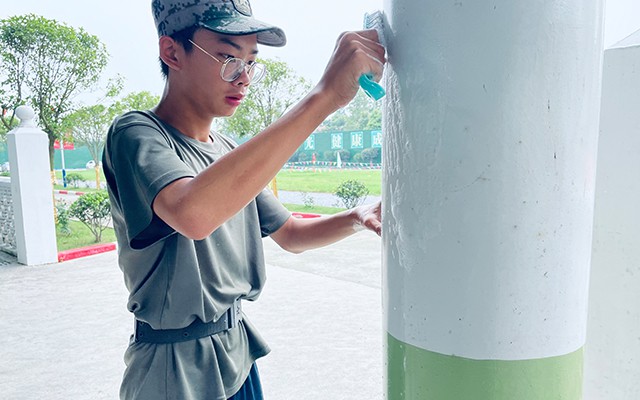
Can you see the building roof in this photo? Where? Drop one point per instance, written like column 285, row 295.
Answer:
column 629, row 41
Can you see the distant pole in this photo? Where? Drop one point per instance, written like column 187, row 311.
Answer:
column 64, row 172
column 491, row 127
column 97, row 170
column 274, row 187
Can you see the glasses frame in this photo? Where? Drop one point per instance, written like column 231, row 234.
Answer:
column 249, row 68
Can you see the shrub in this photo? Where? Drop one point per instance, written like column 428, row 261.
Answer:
column 352, row 193
column 93, row 210
column 303, row 157
column 345, row 155
column 74, row 179
column 62, row 218
column 330, row 155
column 357, row 158
column 370, row 154
column 308, row 200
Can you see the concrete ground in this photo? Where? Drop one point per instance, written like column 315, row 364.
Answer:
column 65, row 326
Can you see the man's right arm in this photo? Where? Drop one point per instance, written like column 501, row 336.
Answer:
column 197, row 206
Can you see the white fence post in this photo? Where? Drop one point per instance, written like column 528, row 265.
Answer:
column 32, row 192
column 612, row 353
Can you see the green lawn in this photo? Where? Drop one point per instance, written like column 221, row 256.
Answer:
column 301, row 181
column 81, row 236
column 313, row 209
column 327, row 181
column 88, row 175
column 289, row 180
column 85, row 174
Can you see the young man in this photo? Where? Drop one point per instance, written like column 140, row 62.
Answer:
column 190, row 209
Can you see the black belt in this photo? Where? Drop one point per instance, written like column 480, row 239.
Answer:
column 146, row 334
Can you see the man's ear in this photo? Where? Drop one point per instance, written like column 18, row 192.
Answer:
column 169, row 52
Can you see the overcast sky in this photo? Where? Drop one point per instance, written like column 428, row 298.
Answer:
column 126, row 27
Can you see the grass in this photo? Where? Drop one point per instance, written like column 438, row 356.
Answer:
column 81, row 236
column 327, row 181
column 312, row 209
column 299, row 181
column 87, row 175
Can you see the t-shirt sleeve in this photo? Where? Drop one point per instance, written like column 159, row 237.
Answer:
column 143, row 162
column 271, row 212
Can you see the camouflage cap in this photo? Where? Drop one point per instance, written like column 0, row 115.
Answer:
column 230, row 17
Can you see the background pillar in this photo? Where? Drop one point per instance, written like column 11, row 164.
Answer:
column 491, row 125
column 31, row 191
column 612, row 353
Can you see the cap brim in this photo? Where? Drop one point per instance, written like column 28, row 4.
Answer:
column 268, row 35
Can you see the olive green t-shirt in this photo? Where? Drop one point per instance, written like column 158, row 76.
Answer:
column 172, row 279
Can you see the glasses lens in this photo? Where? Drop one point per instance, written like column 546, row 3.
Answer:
column 233, row 67
column 258, row 71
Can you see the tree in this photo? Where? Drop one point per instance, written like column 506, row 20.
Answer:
column 267, row 100
column 361, row 114
column 7, row 121
column 90, row 124
column 93, row 209
column 46, row 64
column 134, row 101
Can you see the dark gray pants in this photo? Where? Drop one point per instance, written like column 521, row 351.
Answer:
column 251, row 389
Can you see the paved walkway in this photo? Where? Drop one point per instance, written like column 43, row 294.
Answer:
column 318, row 199
column 65, row 326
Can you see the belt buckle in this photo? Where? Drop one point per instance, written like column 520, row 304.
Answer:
column 135, row 329
column 235, row 313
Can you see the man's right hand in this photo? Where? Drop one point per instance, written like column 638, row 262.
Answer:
column 355, row 54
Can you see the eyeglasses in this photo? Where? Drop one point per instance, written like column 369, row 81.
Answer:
column 232, row 68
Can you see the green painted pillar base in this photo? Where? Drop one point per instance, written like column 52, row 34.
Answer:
column 417, row 374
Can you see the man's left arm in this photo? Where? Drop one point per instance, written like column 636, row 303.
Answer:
column 300, row 234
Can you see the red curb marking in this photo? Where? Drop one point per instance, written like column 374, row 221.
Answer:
column 305, row 215
column 85, row 251
column 68, row 192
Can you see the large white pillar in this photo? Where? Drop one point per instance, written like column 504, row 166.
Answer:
column 612, row 353
column 491, row 125
column 31, row 191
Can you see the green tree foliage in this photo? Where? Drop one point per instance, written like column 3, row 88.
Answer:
column 134, row 101
column 46, row 64
column 90, row 124
column 93, row 210
column 89, row 128
column 361, row 114
column 62, row 218
column 267, row 100
column 7, row 121
column 352, row 193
